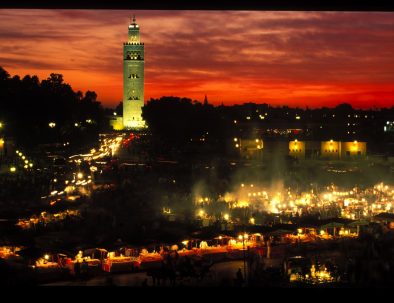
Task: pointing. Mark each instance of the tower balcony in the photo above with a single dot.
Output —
(128, 58)
(133, 43)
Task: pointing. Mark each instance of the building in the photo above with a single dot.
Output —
(133, 82)
(336, 150)
(330, 150)
(297, 149)
(249, 148)
(312, 149)
(259, 149)
(353, 150)
(116, 122)
(389, 127)
(133, 79)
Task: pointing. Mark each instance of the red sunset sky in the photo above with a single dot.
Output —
(280, 58)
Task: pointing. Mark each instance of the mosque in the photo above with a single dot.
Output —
(133, 82)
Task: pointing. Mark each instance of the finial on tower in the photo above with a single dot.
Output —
(133, 18)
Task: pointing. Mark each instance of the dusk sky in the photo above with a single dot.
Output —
(281, 58)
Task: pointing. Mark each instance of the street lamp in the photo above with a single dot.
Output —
(92, 170)
(243, 241)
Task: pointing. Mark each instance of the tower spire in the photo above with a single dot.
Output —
(133, 18)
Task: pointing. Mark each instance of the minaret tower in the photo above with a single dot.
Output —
(133, 79)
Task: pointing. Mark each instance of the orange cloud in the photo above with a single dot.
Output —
(293, 58)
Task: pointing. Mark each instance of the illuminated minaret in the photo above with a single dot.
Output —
(133, 79)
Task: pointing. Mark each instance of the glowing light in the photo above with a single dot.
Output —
(12, 169)
(235, 139)
(79, 175)
(46, 257)
(52, 124)
(226, 217)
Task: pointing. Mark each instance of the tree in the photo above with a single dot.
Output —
(28, 105)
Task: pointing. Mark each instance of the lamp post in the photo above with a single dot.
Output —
(243, 244)
(243, 248)
(238, 145)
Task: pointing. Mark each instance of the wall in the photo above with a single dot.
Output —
(330, 149)
(297, 149)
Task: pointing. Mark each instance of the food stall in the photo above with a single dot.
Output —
(149, 260)
(120, 263)
(91, 258)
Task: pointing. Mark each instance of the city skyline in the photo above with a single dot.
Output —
(298, 58)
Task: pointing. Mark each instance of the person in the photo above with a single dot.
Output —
(84, 269)
(77, 269)
(239, 280)
(145, 283)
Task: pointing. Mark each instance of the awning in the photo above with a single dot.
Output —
(332, 225)
(358, 223)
